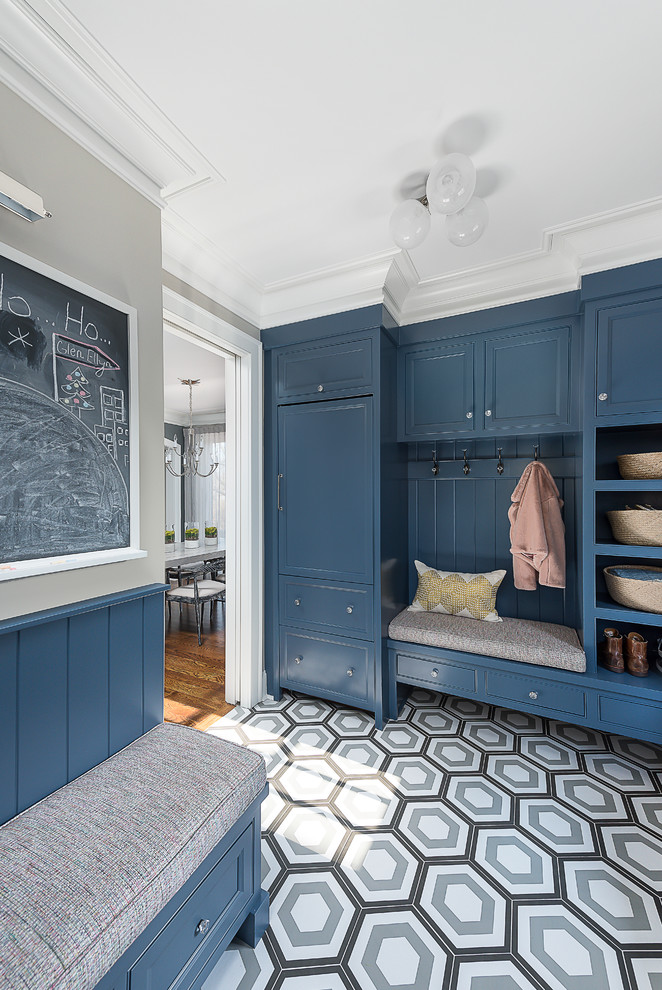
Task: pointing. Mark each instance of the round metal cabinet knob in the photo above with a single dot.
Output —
(533, 695)
(488, 412)
(298, 659)
(470, 415)
(202, 926)
(350, 671)
(603, 397)
(435, 672)
(349, 609)
(297, 601)
(320, 388)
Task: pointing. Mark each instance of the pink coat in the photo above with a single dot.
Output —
(537, 533)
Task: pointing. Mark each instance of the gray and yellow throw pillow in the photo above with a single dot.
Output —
(469, 595)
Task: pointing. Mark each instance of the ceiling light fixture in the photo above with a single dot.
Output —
(193, 447)
(449, 190)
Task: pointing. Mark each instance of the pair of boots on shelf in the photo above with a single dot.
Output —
(635, 658)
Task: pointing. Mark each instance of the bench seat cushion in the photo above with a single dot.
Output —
(88, 867)
(542, 643)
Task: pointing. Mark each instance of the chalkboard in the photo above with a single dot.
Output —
(65, 416)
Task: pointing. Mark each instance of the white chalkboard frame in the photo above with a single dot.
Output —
(12, 570)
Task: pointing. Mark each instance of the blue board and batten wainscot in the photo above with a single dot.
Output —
(368, 420)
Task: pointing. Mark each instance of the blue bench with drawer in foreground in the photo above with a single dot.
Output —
(138, 873)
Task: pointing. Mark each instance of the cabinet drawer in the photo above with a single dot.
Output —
(442, 675)
(218, 899)
(533, 692)
(344, 609)
(636, 717)
(314, 663)
(346, 365)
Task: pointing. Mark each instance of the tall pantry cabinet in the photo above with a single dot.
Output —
(335, 501)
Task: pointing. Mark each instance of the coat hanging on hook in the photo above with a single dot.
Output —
(537, 533)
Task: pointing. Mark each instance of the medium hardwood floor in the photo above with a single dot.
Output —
(195, 675)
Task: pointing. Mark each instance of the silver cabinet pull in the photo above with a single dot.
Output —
(298, 659)
(202, 927)
(603, 397)
(533, 695)
(470, 415)
(488, 412)
(280, 507)
(349, 609)
(320, 388)
(297, 601)
(435, 672)
(350, 671)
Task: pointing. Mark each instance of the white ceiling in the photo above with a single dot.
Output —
(283, 135)
(183, 359)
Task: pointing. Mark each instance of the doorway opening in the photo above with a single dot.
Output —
(242, 616)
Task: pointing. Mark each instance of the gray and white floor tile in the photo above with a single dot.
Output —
(464, 847)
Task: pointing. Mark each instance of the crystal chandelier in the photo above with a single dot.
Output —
(193, 447)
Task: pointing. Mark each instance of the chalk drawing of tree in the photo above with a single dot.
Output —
(75, 394)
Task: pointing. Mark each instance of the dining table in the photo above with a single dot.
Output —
(183, 555)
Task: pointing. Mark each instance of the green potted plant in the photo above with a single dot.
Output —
(192, 535)
(211, 535)
(170, 537)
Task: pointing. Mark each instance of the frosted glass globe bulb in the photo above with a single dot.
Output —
(451, 183)
(410, 223)
(466, 226)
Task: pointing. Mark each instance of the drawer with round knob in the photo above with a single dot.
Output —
(345, 609)
(321, 368)
(532, 691)
(442, 675)
(325, 667)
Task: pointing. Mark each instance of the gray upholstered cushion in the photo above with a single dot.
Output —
(85, 870)
(543, 643)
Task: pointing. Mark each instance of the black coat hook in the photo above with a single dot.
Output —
(466, 467)
(535, 452)
(435, 462)
(500, 463)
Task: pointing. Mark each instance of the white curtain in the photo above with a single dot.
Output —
(205, 497)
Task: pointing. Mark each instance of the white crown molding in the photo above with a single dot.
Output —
(53, 63)
(176, 418)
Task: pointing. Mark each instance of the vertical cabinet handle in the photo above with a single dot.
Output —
(280, 507)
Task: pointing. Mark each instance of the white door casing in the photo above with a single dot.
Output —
(244, 674)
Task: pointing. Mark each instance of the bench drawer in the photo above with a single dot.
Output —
(345, 609)
(220, 897)
(532, 691)
(334, 666)
(346, 365)
(442, 675)
(631, 715)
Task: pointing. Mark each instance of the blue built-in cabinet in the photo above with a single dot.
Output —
(368, 429)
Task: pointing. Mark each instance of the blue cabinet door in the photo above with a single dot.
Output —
(629, 359)
(326, 472)
(527, 380)
(438, 385)
(341, 367)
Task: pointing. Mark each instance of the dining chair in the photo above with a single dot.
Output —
(196, 594)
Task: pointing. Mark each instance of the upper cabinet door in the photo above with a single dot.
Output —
(438, 385)
(326, 469)
(527, 381)
(347, 365)
(629, 359)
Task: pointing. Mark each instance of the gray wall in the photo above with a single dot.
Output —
(108, 236)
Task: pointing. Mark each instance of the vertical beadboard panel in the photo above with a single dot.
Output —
(426, 536)
(88, 690)
(126, 673)
(8, 726)
(507, 597)
(444, 556)
(42, 710)
(153, 661)
(465, 525)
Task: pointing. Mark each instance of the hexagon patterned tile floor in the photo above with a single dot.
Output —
(461, 848)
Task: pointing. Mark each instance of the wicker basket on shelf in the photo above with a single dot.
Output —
(640, 466)
(637, 527)
(644, 596)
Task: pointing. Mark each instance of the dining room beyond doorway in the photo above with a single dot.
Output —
(195, 467)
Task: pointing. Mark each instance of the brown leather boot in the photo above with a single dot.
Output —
(611, 651)
(636, 649)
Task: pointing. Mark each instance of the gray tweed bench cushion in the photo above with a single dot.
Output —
(86, 869)
(542, 643)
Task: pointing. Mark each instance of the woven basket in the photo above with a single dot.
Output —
(637, 527)
(646, 466)
(645, 596)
